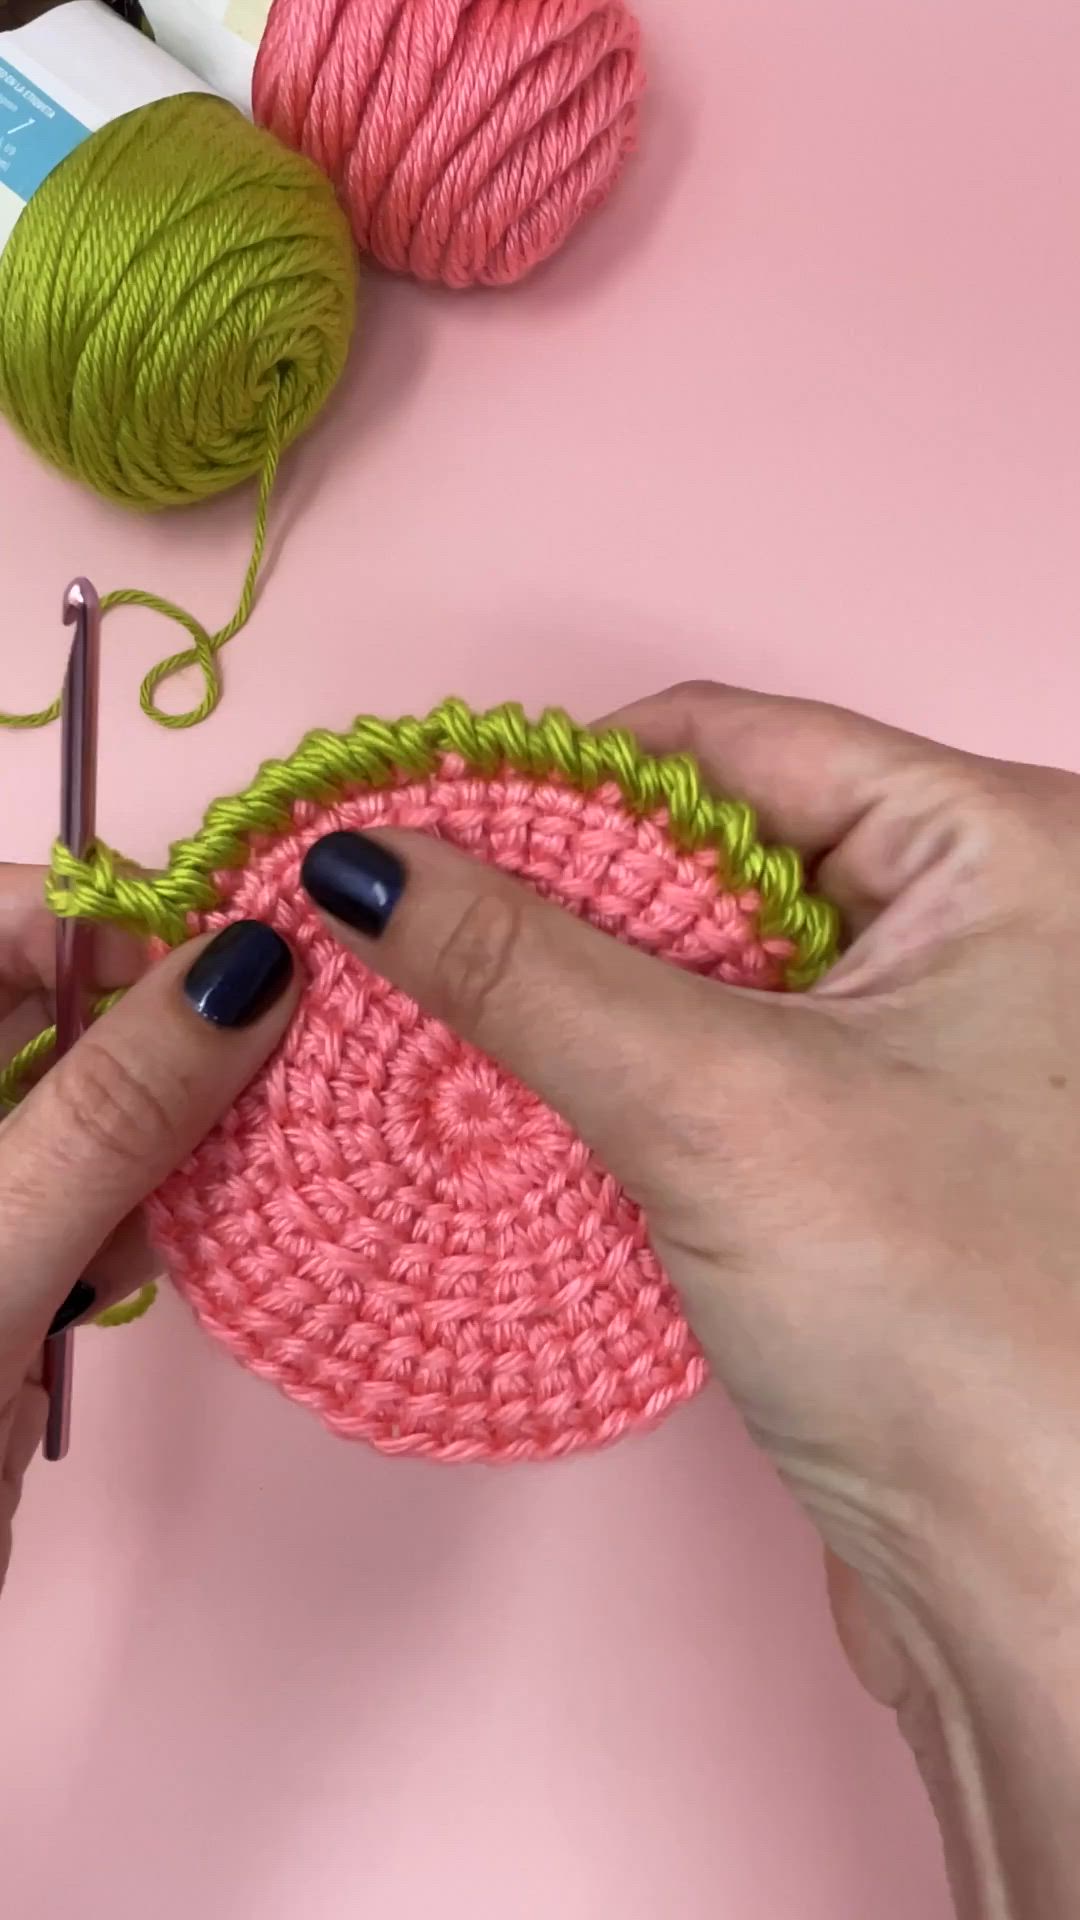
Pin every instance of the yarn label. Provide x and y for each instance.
(62, 76)
(36, 133)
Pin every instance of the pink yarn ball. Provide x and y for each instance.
(465, 140)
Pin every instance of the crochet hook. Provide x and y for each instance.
(78, 792)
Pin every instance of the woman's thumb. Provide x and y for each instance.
(604, 1034)
(127, 1105)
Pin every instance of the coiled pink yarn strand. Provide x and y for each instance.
(465, 141)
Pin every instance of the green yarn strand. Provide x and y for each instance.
(26, 721)
(125, 1311)
(14, 1076)
(205, 648)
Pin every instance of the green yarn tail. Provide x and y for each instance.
(133, 1308)
(205, 647)
(14, 1076)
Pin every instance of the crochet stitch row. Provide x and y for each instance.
(377, 753)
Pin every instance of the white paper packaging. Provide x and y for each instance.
(62, 77)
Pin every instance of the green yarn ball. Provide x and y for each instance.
(176, 302)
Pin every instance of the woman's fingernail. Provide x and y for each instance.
(79, 1301)
(238, 977)
(355, 880)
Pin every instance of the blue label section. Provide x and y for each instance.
(36, 133)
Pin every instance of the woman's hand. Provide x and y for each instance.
(868, 1196)
(106, 1125)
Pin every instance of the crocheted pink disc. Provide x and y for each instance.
(395, 1231)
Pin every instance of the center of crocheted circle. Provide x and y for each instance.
(474, 1134)
(393, 1229)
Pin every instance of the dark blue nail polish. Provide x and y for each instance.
(238, 977)
(79, 1301)
(354, 880)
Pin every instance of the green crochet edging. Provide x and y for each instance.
(374, 753)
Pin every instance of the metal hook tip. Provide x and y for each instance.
(80, 599)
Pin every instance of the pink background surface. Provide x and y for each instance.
(801, 409)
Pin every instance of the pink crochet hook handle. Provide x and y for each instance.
(78, 793)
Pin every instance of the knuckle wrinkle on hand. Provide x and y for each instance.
(109, 1110)
(478, 958)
